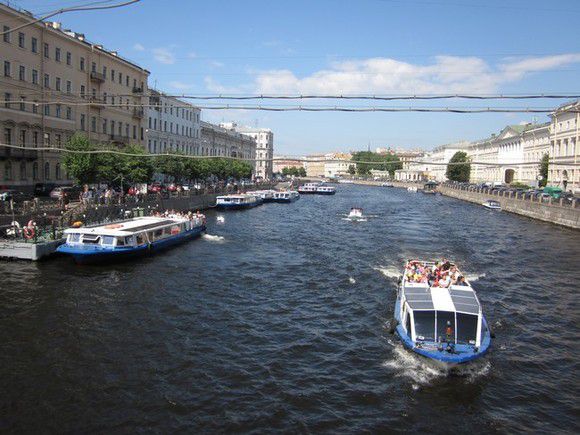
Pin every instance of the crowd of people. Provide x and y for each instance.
(174, 214)
(441, 274)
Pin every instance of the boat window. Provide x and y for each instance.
(424, 325)
(120, 241)
(442, 318)
(466, 328)
(91, 239)
(140, 239)
(107, 240)
(167, 230)
(158, 233)
(407, 322)
(75, 238)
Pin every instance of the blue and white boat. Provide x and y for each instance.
(308, 188)
(443, 324)
(238, 201)
(325, 190)
(286, 196)
(130, 238)
(266, 195)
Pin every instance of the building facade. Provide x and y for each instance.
(56, 83)
(282, 162)
(264, 138)
(222, 142)
(337, 165)
(172, 125)
(564, 147)
(314, 165)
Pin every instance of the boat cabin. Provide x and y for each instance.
(434, 315)
(236, 199)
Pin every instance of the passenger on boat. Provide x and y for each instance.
(461, 281)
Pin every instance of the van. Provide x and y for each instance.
(554, 192)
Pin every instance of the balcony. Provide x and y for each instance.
(117, 138)
(137, 89)
(96, 102)
(18, 154)
(97, 77)
(138, 113)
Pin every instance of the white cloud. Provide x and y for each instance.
(191, 55)
(138, 47)
(163, 55)
(445, 74)
(215, 64)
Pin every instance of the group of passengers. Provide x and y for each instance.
(441, 274)
(173, 214)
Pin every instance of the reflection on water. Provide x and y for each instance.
(279, 318)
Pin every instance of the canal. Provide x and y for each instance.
(278, 319)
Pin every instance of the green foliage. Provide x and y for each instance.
(544, 164)
(82, 167)
(295, 171)
(459, 172)
(352, 169)
(380, 162)
(518, 185)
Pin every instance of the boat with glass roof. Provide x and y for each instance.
(445, 324)
(130, 238)
(286, 196)
(238, 201)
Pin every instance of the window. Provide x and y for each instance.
(23, 170)
(104, 71)
(127, 81)
(82, 63)
(424, 325)
(7, 98)
(34, 45)
(21, 40)
(57, 171)
(134, 132)
(8, 170)
(7, 72)
(58, 140)
(104, 126)
(46, 50)
(58, 110)
(107, 240)
(35, 107)
(94, 67)
(47, 171)
(6, 35)
(83, 91)
(68, 113)
(68, 58)
(112, 127)
(68, 87)
(21, 73)
(126, 130)
(46, 81)
(35, 139)
(112, 75)
(57, 84)
(57, 54)
(93, 124)
(120, 78)
(47, 139)
(466, 328)
(23, 137)
(23, 103)
(34, 76)
(35, 171)
(442, 318)
(82, 121)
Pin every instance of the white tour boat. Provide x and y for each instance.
(238, 201)
(286, 196)
(492, 205)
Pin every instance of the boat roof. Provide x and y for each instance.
(455, 298)
(126, 228)
(238, 195)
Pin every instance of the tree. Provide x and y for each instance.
(352, 169)
(172, 166)
(82, 167)
(301, 172)
(139, 168)
(544, 164)
(380, 162)
(459, 167)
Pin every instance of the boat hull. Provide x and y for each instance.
(333, 192)
(238, 206)
(286, 200)
(97, 254)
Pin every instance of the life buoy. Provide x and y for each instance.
(29, 230)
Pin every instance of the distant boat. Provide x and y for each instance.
(286, 196)
(412, 189)
(492, 205)
(130, 238)
(266, 195)
(356, 215)
(445, 324)
(325, 190)
(308, 188)
(387, 185)
(430, 187)
(244, 200)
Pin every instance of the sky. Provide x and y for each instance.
(336, 47)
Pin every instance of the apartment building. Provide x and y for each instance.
(53, 83)
(218, 141)
(172, 125)
(564, 149)
(264, 138)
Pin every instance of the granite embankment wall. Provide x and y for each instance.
(565, 215)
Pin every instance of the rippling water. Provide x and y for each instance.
(278, 319)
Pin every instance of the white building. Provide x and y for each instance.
(420, 170)
(264, 138)
(441, 155)
(564, 149)
(172, 125)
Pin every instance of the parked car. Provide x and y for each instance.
(72, 192)
(554, 192)
(568, 197)
(43, 189)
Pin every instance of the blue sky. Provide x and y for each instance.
(348, 47)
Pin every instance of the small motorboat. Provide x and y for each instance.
(356, 214)
(445, 324)
(412, 189)
(492, 205)
(387, 185)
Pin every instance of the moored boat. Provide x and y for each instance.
(412, 189)
(265, 195)
(445, 324)
(325, 190)
(492, 205)
(130, 238)
(308, 188)
(238, 201)
(286, 196)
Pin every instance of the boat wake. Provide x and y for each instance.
(391, 272)
(212, 238)
(354, 220)
(351, 280)
(422, 372)
(474, 276)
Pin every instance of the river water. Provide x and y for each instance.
(279, 320)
